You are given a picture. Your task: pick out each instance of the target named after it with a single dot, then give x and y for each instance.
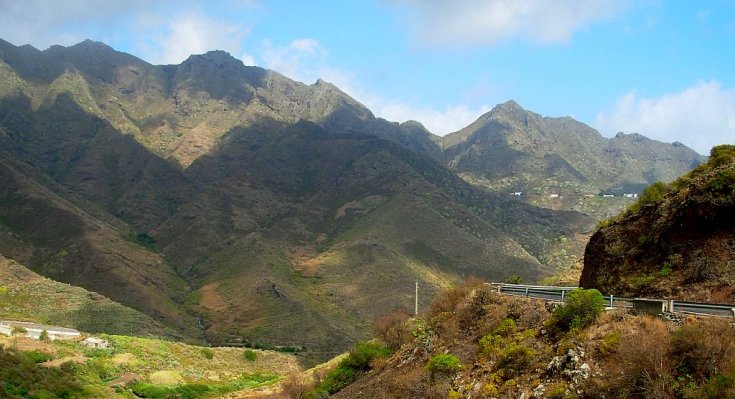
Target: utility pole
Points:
(416, 302)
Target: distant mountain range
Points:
(233, 203)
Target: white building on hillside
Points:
(97, 343)
(33, 330)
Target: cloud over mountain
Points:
(478, 22)
(700, 115)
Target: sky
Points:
(661, 68)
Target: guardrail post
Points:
(611, 300)
(733, 312)
(526, 291)
(562, 296)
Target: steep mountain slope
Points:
(560, 163)
(59, 240)
(25, 295)
(358, 221)
(278, 212)
(678, 241)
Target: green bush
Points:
(653, 193)
(188, 391)
(145, 390)
(721, 155)
(580, 310)
(146, 240)
(443, 364)
(21, 377)
(348, 369)
(514, 358)
(208, 353)
(338, 378)
(249, 355)
(19, 330)
(506, 328)
(37, 356)
(514, 279)
(610, 343)
(364, 352)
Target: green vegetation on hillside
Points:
(21, 377)
(146, 368)
(24, 295)
(676, 235)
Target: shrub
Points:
(392, 329)
(21, 377)
(338, 378)
(721, 155)
(188, 391)
(360, 357)
(514, 279)
(491, 344)
(37, 356)
(442, 364)
(653, 193)
(349, 368)
(610, 343)
(557, 390)
(580, 310)
(506, 328)
(719, 386)
(19, 330)
(249, 355)
(449, 300)
(208, 353)
(703, 350)
(146, 240)
(644, 368)
(515, 358)
(43, 336)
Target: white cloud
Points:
(248, 59)
(302, 59)
(699, 116)
(487, 22)
(438, 120)
(42, 23)
(192, 33)
(164, 31)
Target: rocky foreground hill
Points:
(677, 241)
(232, 203)
(476, 343)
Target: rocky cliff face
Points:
(677, 242)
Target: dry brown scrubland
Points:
(508, 347)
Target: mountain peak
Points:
(217, 56)
(509, 105)
(510, 109)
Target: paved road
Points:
(554, 293)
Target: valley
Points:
(232, 204)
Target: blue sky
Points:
(665, 69)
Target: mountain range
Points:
(231, 203)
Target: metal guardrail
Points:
(558, 294)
